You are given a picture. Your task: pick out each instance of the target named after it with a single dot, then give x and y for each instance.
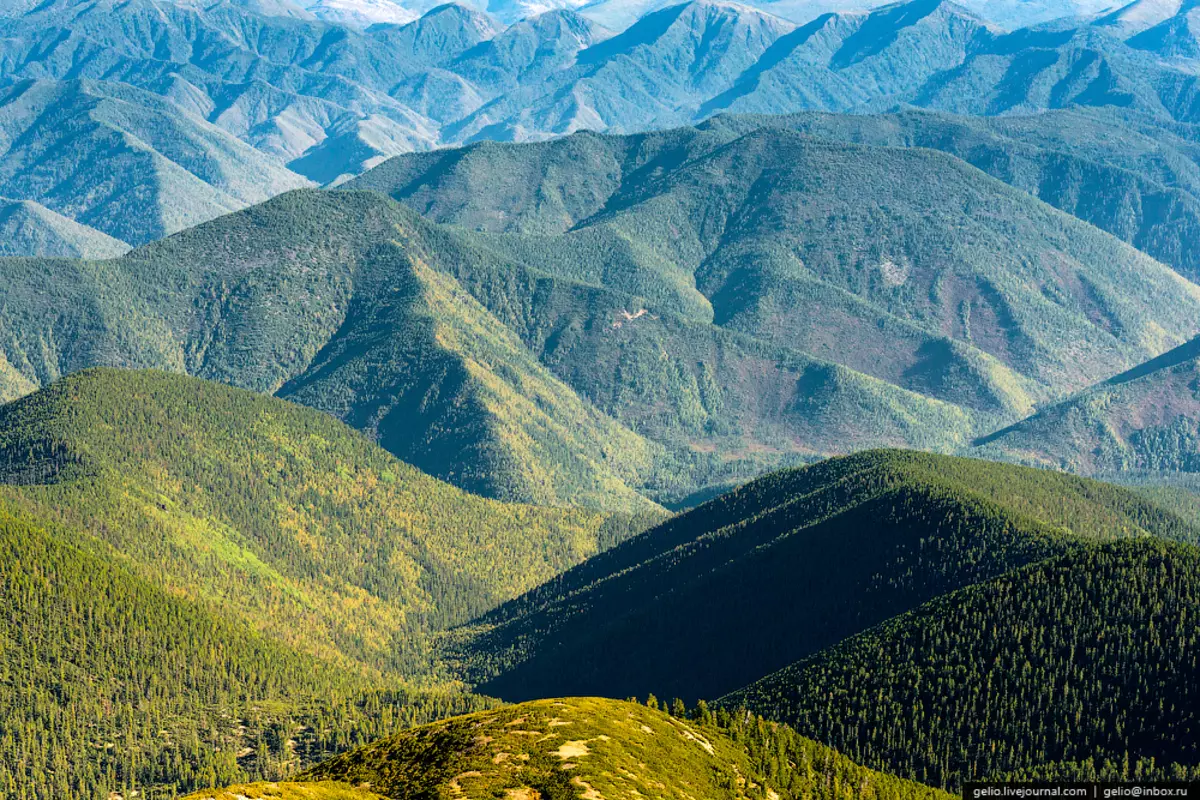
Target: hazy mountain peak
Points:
(451, 15)
(561, 21)
(560, 30)
(701, 23)
(529, 48)
(361, 13)
(31, 229)
(440, 34)
(1141, 14)
(1175, 36)
(883, 27)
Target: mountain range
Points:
(557, 338)
(620, 14)
(387, 387)
(209, 108)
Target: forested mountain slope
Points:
(114, 684)
(953, 295)
(660, 262)
(277, 515)
(785, 566)
(1146, 420)
(569, 350)
(125, 161)
(1085, 664)
(353, 275)
(554, 387)
(1126, 173)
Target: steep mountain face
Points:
(786, 566)
(604, 748)
(838, 62)
(652, 75)
(531, 50)
(29, 229)
(1174, 36)
(938, 55)
(1033, 70)
(620, 14)
(1140, 15)
(1143, 420)
(1111, 622)
(762, 234)
(124, 161)
(282, 85)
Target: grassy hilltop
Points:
(592, 747)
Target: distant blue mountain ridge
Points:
(140, 118)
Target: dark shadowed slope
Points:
(786, 566)
(1083, 665)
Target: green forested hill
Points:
(785, 566)
(592, 747)
(966, 291)
(640, 319)
(1085, 664)
(335, 294)
(111, 683)
(505, 353)
(437, 379)
(615, 322)
(1126, 173)
(1144, 421)
(277, 515)
(206, 585)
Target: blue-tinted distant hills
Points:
(277, 95)
(210, 107)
